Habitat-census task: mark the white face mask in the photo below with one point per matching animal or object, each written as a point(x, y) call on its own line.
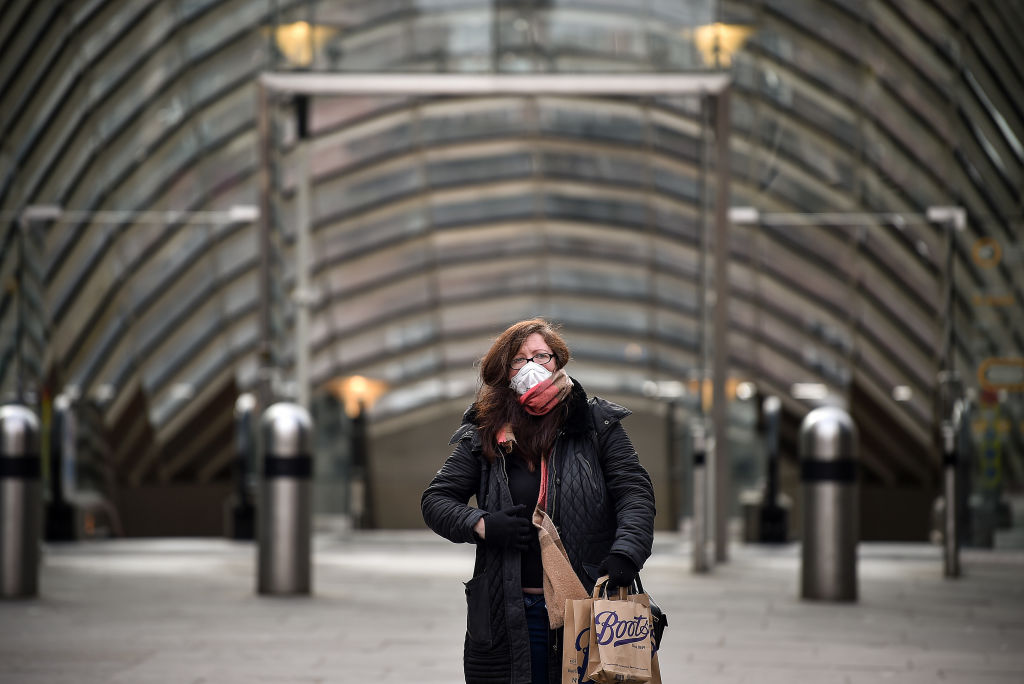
point(528, 376)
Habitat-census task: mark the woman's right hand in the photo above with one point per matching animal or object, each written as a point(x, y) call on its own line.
point(509, 527)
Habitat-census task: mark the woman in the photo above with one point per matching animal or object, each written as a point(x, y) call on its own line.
point(530, 420)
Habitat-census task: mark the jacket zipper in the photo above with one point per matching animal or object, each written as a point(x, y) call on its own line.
point(586, 466)
point(508, 489)
point(553, 477)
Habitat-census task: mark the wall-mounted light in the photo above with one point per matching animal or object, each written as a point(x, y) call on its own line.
point(745, 391)
point(706, 391)
point(297, 41)
point(718, 42)
point(183, 391)
point(902, 393)
point(104, 392)
point(358, 393)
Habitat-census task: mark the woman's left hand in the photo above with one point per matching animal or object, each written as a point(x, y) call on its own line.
point(620, 570)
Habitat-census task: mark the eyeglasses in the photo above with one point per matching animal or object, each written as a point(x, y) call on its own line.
point(541, 358)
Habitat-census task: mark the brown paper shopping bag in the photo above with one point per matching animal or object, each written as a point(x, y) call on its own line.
point(579, 616)
point(621, 647)
point(645, 600)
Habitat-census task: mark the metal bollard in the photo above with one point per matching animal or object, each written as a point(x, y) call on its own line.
point(700, 496)
point(241, 513)
point(828, 446)
point(773, 523)
point(285, 512)
point(20, 502)
point(61, 523)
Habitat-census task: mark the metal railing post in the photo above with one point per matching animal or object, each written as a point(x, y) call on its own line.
point(61, 523)
point(950, 531)
point(700, 496)
point(773, 527)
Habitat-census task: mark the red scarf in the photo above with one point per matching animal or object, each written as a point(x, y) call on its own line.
point(542, 497)
point(546, 395)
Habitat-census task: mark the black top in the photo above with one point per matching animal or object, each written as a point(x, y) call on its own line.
point(525, 488)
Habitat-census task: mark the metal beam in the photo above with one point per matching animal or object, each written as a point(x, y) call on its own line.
point(721, 464)
point(264, 391)
point(696, 83)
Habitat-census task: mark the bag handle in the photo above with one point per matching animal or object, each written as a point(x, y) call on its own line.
point(602, 583)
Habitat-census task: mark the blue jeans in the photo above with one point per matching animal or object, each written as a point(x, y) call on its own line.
point(537, 622)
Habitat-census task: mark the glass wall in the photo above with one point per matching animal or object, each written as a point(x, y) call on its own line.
point(436, 221)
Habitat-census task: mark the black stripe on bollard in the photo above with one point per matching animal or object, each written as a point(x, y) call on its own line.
point(300, 467)
point(841, 470)
point(699, 458)
point(20, 467)
point(949, 459)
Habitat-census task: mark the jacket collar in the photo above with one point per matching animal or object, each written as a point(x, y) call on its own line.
point(578, 420)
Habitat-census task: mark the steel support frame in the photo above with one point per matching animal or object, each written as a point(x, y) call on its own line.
point(711, 85)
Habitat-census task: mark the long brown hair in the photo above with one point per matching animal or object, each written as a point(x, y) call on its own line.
point(497, 404)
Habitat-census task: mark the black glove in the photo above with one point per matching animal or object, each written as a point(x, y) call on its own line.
point(620, 570)
point(510, 527)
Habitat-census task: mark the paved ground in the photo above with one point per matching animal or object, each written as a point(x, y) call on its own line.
point(388, 607)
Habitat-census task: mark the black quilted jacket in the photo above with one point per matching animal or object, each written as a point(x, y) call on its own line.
point(600, 498)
